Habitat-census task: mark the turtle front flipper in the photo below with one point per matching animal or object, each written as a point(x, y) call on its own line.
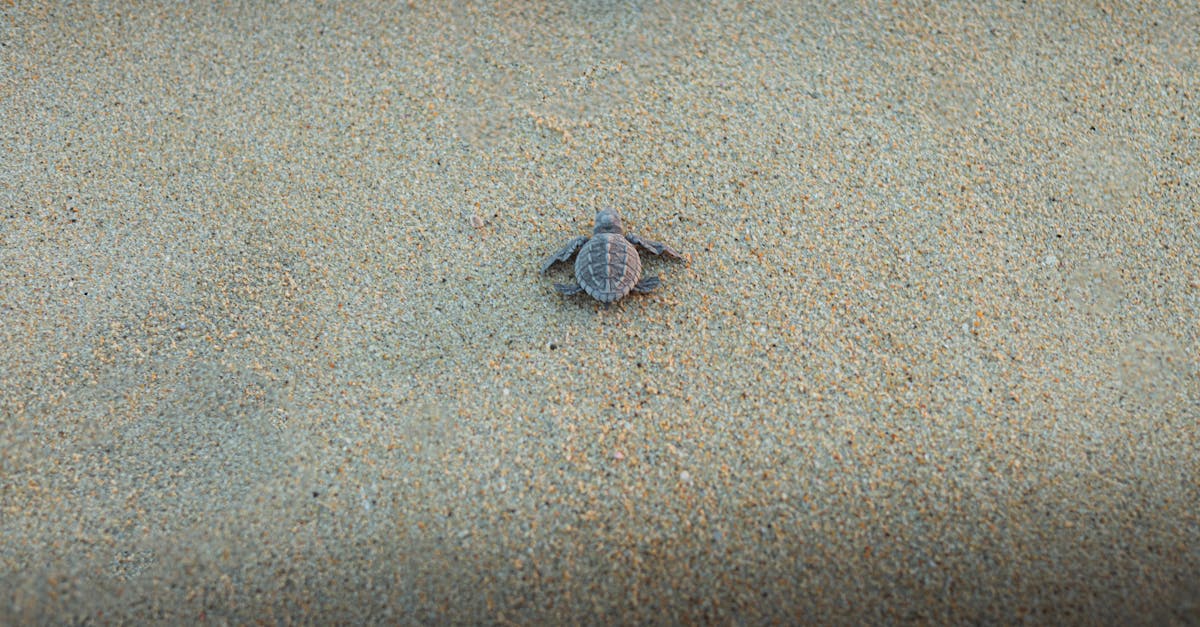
point(652, 246)
point(565, 253)
point(570, 289)
point(647, 285)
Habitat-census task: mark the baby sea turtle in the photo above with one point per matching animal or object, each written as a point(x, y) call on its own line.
point(608, 266)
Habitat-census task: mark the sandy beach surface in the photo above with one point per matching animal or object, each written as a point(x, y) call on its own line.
point(274, 346)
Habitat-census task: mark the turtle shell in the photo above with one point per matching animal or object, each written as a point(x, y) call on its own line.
point(608, 267)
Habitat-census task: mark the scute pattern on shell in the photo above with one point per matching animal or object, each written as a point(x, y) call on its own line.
point(608, 267)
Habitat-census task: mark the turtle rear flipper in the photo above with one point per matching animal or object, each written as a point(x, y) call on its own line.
point(658, 248)
point(647, 285)
point(564, 253)
point(570, 289)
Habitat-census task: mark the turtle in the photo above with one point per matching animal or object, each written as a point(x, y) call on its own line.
point(608, 266)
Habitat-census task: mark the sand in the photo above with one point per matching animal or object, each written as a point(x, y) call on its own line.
point(274, 347)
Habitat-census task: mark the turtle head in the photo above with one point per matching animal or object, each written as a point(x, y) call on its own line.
point(609, 221)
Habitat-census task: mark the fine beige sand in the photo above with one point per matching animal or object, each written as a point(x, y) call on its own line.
point(274, 346)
